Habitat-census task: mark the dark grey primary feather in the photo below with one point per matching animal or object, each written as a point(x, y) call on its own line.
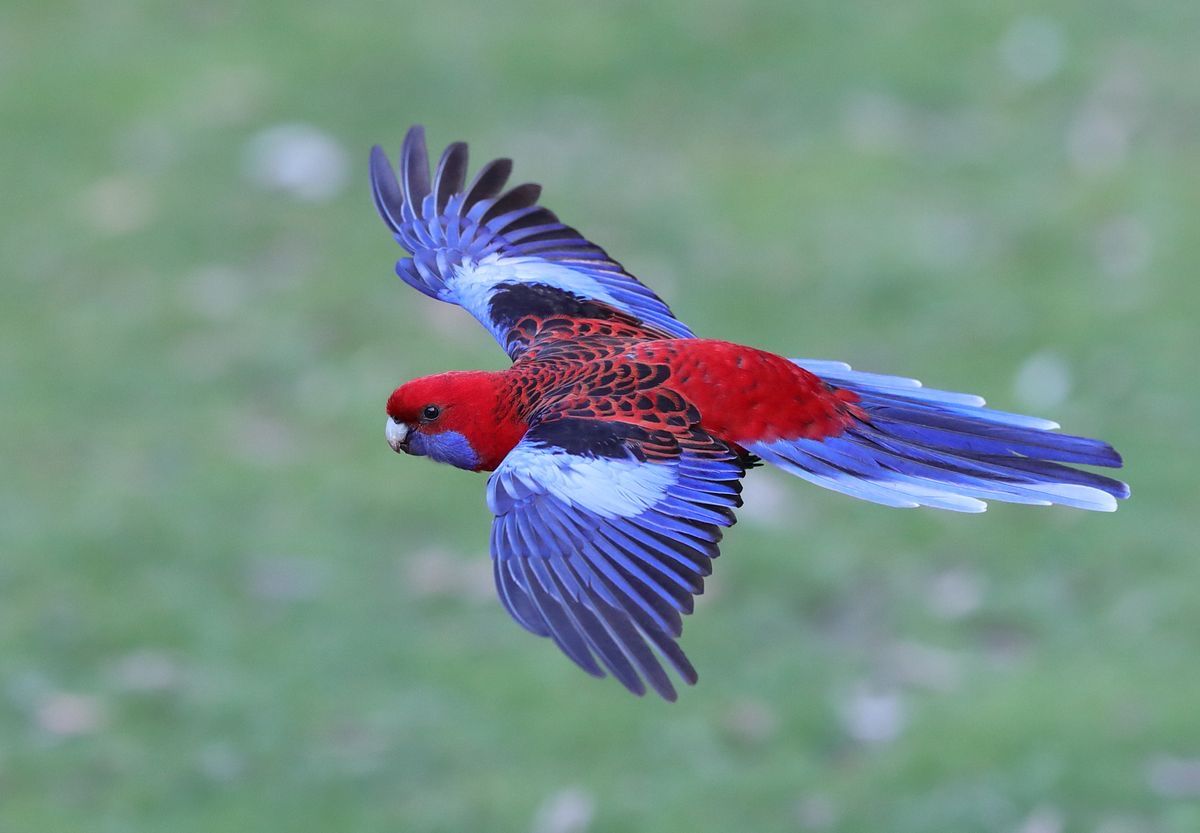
point(488, 182)
point(522, 196)
point(414, 165)
point(389, 201)
point(451, 174)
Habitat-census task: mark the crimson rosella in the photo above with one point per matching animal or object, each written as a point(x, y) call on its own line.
point(617, 439)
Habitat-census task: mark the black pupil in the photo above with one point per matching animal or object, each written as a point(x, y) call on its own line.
point(431, 412)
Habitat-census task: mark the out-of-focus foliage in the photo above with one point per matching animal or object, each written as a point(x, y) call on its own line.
point(226, 605)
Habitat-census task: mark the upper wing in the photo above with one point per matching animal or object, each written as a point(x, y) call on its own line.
point(604, 532)
point(501, 257)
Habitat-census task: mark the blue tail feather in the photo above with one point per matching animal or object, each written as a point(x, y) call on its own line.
point(922, 447)
point(975, 433)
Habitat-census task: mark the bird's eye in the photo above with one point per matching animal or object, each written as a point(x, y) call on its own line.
point(431, 413)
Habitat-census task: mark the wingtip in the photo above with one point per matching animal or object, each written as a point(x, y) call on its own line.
point(451, 173)
point(414, 165)
point(380, 167)
point(414, 140)
point(389, 199)
point(379, 164)
point(489, 181)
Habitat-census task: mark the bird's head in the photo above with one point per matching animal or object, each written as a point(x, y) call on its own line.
point(454, 418)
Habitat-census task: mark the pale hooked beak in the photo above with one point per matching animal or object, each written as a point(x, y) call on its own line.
point(397, 435)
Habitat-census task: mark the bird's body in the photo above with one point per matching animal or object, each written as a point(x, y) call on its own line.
point(731, 392)
point(618, 440)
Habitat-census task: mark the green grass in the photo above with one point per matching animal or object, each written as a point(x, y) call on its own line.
point(226, 605)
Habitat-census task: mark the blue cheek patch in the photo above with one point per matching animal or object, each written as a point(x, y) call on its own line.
point(447, 447)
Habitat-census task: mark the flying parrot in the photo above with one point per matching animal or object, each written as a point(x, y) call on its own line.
point(617, 439)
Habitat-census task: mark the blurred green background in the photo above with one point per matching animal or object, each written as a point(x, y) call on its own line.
point(225, 604)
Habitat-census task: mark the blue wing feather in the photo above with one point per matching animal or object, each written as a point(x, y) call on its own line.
point(603, 552)
point(467, 243)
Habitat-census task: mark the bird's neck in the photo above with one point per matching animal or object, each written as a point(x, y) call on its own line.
point(501, 424)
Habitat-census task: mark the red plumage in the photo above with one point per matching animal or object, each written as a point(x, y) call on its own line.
point(746, 395)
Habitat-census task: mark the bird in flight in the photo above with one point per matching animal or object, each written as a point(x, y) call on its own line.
point(617, 439)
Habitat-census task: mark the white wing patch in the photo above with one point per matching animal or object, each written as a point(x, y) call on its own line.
point(606, 486)
point(473, 283)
